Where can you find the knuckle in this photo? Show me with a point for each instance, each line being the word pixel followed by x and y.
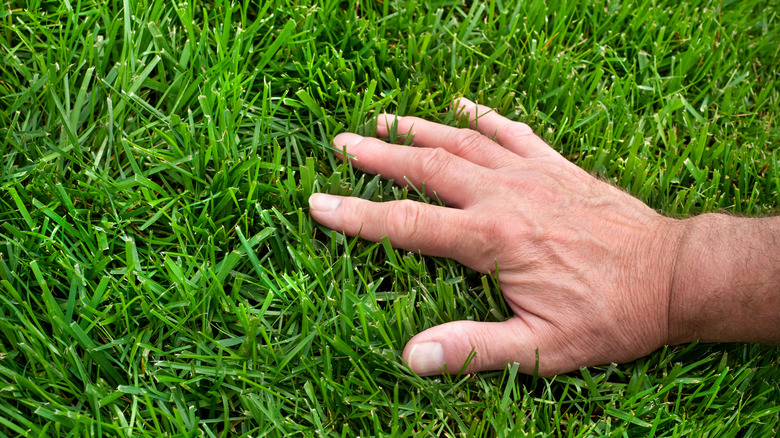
pixel 480 342
pixel 530 189
pixel 354 215
pixel 404 219
pixel 491 232
pixel 466 140
pixel 486 234
pixel 432 162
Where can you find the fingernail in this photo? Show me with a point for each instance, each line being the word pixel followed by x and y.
pixel 323 203
pixel 347 139
pixel 426 358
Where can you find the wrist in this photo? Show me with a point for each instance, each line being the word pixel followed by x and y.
pixel 725 285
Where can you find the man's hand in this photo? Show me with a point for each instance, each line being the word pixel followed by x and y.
pixel 587 269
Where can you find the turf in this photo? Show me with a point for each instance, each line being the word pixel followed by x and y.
pixel 160 274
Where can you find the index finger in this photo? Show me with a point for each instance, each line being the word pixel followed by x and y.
pixel 455 180
pixel 464 143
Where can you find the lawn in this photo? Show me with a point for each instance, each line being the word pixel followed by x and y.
pixel 160 274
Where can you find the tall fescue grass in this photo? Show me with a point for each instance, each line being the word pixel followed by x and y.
pixel 160 274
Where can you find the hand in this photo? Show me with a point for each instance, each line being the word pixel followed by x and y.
pixel 586 268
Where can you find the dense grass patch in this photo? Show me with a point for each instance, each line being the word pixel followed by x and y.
pixel 159 272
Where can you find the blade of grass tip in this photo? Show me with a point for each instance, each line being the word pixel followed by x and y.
pixel 272 290
pixel 70 131
pixel 626 416
pixel 310 103
pixel 308 177
pixel 52 306
pixel 71 303
pixel 535 377
pixel 22 209
pixel 509 388
pixel 133 88
pixel 274 47
pixel 368 191
pixel 76 111
pixel 128 34
pixel 295 350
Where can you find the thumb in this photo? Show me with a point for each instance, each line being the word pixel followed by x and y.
pixel 447 347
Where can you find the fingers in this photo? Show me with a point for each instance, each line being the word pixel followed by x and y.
pixel 464 143
pixel 455 180
pixel 514 136
pixel 409 225
pixel 490 346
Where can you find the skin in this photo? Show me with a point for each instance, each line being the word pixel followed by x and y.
pixel 592 274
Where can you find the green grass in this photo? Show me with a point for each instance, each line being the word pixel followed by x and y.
pixel 160 274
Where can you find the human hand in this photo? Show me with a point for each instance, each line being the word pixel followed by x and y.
pixel 586 268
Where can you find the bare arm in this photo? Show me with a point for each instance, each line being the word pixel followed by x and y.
pixel 592 274
pixel 726 287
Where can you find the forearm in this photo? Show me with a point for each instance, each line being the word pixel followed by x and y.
pixel 726 284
